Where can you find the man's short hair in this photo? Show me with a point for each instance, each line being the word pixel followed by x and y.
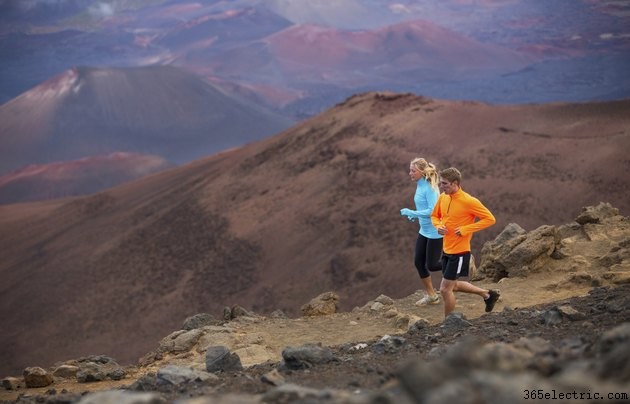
pixel 451 174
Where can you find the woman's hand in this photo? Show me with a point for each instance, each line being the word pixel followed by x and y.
pixel 408 213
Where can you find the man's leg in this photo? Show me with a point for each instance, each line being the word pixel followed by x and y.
pixel 447 290
pixel 451 264
pixel 467 287
pixel 490 297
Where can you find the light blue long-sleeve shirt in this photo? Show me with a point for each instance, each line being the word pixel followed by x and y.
pixel 425 198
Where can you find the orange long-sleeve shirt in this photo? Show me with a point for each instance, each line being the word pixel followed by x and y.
pixel 459 210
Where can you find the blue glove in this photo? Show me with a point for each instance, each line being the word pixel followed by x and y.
pixel 408 213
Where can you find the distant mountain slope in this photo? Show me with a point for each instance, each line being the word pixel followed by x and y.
pixel 349 14
pixel 233 26
pixel 325 62
pixel 76 177
pixel 274 223
pixel 157 110
pixel 382 52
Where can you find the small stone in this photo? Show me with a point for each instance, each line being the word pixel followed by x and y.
pixel 570 313
pixel 274 378
pixel 66 371
pixel 37 377
pixel 219 358
pixel 12 383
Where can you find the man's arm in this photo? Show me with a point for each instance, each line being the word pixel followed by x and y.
pixel 486 218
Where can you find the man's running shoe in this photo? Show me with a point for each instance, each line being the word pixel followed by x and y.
pixel 492 299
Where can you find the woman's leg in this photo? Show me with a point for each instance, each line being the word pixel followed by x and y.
pixel 420 261
pixel 434 261
pixel 434 254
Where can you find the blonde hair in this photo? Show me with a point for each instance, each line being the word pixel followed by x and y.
pixel 429 170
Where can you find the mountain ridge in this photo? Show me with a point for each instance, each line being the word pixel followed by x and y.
pixel 580 45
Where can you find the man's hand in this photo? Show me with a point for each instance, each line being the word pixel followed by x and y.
pixel 442 230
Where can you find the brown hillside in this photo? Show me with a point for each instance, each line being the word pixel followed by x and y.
pixel 76 177
pixel 570 330
pixel 272 224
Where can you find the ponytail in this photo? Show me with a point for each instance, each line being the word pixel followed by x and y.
pixel 431 175
pixel 429 170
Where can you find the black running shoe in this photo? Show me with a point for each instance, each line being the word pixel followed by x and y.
pixel 490 301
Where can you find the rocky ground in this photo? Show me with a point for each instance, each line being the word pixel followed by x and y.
pixel 560 332
pixel 580 345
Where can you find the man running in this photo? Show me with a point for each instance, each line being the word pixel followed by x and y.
pixel 456 216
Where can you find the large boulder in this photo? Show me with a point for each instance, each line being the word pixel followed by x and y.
pixel 596 214
pixel 598 237
pixel 515 252
pixel 322 305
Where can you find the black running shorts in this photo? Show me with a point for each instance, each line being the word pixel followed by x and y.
pixel 455 266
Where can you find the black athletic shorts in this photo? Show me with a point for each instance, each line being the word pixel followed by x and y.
pixel 455 265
